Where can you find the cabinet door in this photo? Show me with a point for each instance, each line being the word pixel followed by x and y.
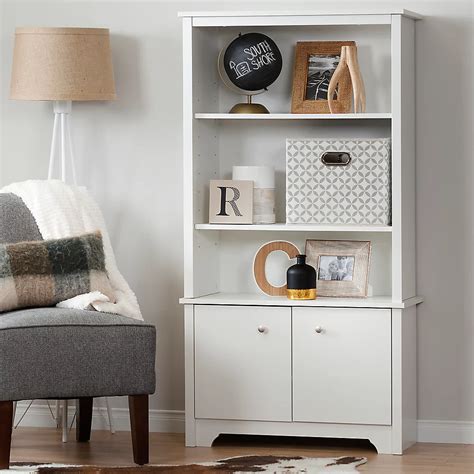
pixel 243 363
pixel 342 365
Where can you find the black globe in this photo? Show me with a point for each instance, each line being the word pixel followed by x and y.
pixel 252 62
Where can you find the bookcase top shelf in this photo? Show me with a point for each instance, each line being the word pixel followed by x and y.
pixel 296 227
pixel 217 257
pixel 321 12
pixel 281 116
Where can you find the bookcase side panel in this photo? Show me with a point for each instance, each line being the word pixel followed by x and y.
pixel 202 270
pixel 403 158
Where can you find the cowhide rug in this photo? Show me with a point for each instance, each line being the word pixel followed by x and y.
pixel 240 464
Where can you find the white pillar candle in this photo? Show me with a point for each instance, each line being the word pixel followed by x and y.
pixel 263 178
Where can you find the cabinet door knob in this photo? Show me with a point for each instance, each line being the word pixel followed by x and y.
pixel 318 329
pixel 262 329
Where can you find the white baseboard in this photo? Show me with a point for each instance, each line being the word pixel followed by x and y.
pixel 172 421
pixel 161 421
pixel 438 431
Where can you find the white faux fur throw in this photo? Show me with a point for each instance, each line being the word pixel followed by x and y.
pixel 85 301
pixel 61 210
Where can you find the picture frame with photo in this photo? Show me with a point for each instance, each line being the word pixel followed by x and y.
pixel 342 266
pixel 315 63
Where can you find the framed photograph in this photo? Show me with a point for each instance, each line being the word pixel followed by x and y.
pixel 230 202
pixel 315 63
pixel 342 266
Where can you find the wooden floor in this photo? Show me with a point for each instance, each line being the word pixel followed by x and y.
pixel 44 445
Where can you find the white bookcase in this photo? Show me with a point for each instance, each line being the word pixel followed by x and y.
pixel 356 378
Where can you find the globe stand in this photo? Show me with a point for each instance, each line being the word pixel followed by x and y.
pixel 248 108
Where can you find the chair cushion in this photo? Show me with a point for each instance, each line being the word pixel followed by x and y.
pixel 67 353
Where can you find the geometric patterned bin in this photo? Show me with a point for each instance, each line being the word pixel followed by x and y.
pixel 338 181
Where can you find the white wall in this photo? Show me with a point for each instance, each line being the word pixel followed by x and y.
pixel 130 158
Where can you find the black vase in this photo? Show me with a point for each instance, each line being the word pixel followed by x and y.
pixel 301 280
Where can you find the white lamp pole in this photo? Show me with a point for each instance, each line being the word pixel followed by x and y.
pixel 61 141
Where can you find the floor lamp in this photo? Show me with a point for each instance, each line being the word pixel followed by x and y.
pixel 63 65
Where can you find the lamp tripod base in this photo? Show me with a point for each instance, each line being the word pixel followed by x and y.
pixel 248 108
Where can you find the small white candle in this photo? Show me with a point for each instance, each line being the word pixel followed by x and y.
pixel 263 178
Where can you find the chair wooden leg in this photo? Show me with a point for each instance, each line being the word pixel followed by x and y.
pixel 138 407
pixel 6 421
pixel 84 419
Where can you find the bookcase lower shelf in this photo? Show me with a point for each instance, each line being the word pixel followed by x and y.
pixel 300 371
pixel 253 299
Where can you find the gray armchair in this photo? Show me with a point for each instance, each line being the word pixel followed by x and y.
pixel 52 353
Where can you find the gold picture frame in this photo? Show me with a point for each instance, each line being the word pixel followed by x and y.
pixel 308 97
pixel 342 266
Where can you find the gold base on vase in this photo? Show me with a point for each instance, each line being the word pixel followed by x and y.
pixel 309 294
pixel 248 108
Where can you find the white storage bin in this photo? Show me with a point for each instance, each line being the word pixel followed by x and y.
pixel 338 181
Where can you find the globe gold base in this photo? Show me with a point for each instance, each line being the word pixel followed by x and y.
pixel 309 294
pixel 248 108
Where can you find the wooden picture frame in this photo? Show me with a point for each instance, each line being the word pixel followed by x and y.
pixel 301 103
pixel 350 262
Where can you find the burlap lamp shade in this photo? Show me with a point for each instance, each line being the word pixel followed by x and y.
pixel 66 64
